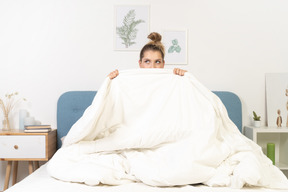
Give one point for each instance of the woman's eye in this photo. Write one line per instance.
(158, 62)
(147, 61)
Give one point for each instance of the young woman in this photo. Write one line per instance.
(152, 56)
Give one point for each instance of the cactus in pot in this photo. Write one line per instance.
(257, 119)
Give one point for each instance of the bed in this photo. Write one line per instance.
(71, 106)
(127, 138)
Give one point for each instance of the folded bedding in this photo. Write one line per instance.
(161, 129)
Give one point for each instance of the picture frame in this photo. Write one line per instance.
(131, 27)
(277, 99)
(175, 42)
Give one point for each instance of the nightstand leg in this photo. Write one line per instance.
(36, 163)
(7, 177)
(30, 167)
(15, 171)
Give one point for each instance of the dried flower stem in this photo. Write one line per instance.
(2, 106)
(10, 104)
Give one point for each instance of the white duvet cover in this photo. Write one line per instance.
(40, 181)
(151, 126)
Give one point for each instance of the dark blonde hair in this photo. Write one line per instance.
(154, 44)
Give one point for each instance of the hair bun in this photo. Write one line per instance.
(154, 44)
(156, 37)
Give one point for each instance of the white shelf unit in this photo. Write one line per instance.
(279, 136)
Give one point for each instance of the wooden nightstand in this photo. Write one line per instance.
(17, 146)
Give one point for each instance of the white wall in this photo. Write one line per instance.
(48, 47)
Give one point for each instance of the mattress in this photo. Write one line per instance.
(41, 181)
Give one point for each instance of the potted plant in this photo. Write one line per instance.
(256, 118)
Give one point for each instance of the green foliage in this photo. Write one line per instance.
(256, 117)
(128, 31)
(174, 47)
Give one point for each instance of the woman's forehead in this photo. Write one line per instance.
(152, 54)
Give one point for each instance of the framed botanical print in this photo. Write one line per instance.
(131, 27)
(175, 42)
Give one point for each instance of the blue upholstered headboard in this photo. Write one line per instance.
(71, 106)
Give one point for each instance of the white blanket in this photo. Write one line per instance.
(151, 126)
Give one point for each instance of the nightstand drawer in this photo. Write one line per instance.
(20, 146)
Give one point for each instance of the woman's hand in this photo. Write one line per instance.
(113, 74)
(178, 71)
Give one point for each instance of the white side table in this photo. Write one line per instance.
(17, 146)
(279, 136)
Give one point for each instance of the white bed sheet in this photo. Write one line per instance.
(41, 181)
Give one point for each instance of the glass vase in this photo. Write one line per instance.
(6, 123)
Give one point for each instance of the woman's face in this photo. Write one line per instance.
(152, 59)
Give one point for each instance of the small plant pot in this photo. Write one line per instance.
(257, 123)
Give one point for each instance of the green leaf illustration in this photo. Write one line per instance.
(175, 42)
(171, 49)
(178, 49)
(174, 47)
(128, 31)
